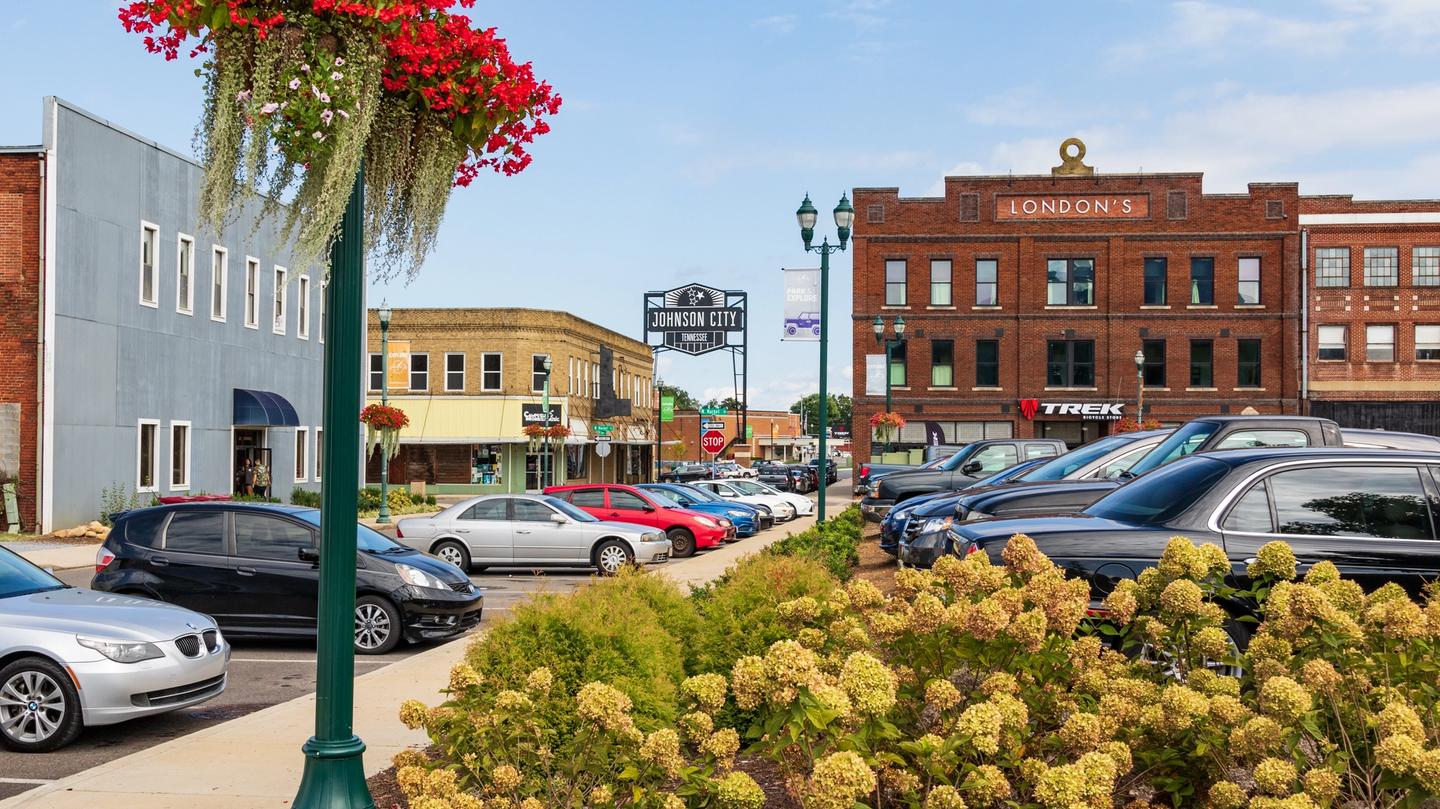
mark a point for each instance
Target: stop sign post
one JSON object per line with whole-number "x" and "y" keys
{"x": 712, "y": 441}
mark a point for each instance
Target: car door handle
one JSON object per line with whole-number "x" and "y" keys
{"x": 522, "y": 530}
{"x": 1252, "y": 560}
{"x": 245, "y": 571}
{"x": 159, "y": 561}
{"x": 614, "y": 514}
{"x": 462, "y": 530}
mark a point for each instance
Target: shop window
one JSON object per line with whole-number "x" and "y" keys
{"x": 575, "y": 461}
{"x": 219, "y": 278}
{"x": 302, "y": 445}
{"x": 1249, "y": 291}
{"x": 1427, "y": 342}
{"x": 455, "y": 372}
{"x": 1153, "y": 369}
{"x": 1070, "y": 282}
{"x": 898, "y": 366}
{"x": 942, "y": 363}
{"x": 179, "y": 455}
{"x": 302, "y": 308}
{"x": 1332, "y": 266}
{"x": 987, "y": 287}
{"x": 376, "y": 376}
{"x": 1202, "y": 281}
{"x": 1379, "y": 343}
{"x": 940, "y": 282}
{"x": 1070, "y": 363}
{"x": 184, "y": 275}
{"x": 1202, "y": 364}
{"x": 147, "y": 455}
{"x": 490, "y": 372}
{"x": 895, "y": 271}
{"x": 420, "y": 372}
{"x": 149, "y": 242}
{"x": 1331, "y": 343}
{"x": 1425, "y": 266}
{"x": 485, "y": 464}
{"x": 1247, "y": 363}
{"x": 987, "y": 363}
{"x": 1382, "y": 266}
{"x": 1156, "y": 274}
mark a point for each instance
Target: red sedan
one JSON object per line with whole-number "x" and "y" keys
{"x": 688, "y": 530}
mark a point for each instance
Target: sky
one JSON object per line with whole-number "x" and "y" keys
{"x": 690, "y": 131}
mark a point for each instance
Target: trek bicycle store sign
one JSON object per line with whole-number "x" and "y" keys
{"x": 1090, "y": 411}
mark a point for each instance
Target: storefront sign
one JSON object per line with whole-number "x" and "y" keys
{"x": 1096, "y": 411}
{"x": 694, "y": 319}
{"x": 802, "y": 306}
{"x": 535, "y": 414}
{"x": 397, "y": 366}
{"x": 1022, "y": 207}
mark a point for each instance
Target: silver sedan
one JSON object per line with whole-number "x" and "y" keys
{"x": 521, "y": 530}
{"x": 76, "y": 657}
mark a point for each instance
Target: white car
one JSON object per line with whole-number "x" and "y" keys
{"x": 729, "y": 471}
{"x": 748, "y": 491}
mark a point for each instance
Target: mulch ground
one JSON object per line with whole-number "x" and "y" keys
{"x": 876, "y": 566}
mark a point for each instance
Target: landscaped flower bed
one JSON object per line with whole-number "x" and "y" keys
{"x": 975, "y": 685}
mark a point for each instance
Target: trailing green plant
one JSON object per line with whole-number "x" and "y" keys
{"x": 118, "y": 497}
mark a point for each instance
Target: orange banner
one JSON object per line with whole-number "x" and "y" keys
{"x": 397, "y": 372}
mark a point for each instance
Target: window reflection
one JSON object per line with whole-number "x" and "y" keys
{"x": 1352, "y": 501}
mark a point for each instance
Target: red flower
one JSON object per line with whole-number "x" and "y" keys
{"x": 384, "y": 417}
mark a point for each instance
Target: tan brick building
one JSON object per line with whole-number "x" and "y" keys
{"x": 471, "y": 379}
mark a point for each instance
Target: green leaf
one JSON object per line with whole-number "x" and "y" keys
{"x": 219, "y": 16}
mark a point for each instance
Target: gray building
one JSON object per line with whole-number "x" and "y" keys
{"x": 170, "y": 354}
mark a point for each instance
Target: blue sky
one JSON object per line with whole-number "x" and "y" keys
{"x": 690, "y": 130}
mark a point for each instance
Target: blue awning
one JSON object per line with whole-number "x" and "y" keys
{"x": 261, "y": 408}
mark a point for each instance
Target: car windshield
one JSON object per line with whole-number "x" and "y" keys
{"x": 366, "y": 538}
{"x": 569, "y": 510}
{"x": 1162, "y": 495}
{"x": 1073, "y": 461}
{"x": 954, "y": 461}
{"x": 751, "y": 487}
{"x": 1016, "y": 472}
{"x": 661, "y": 498}
{"x": 20, "y": 578}
{"x": 1182, "y": 442}
{"x": 703, "y": 495}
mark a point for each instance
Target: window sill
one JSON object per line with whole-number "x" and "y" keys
{"x": 1337, "y": 362}
{"x": 1202, "y": 389}
{"x": 986, "y": 308}
{"x": 1077, "y": 389}
{"x": 899, "y": 306}
{"x": 1155, "y": 306}
{"x": 942, "y": 387}
{"x": 1149, "y": 389}
{"x": 1249, "y": 306}
{"x": 215, "y": 319}
{"x": 147, "y": 489}
{"x": 184, "y": 488}
{"x": 150, "y": 304}
{"x": 1058, "y": 306}
{"x": 190, "y": 313}
{"x": 899, "y": 387}
{"x": 940, "y": 308}
{"x": 997, "y": 388}
{"x": 1202, "y": 306}
{"x": 1251, "y": 390}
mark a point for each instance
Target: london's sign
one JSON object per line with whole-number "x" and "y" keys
{"x": 1023, "y": 207}
{"x": 1098, "y": 411}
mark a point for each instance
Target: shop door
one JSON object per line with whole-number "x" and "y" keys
{"x": 249, "y": 448}
{"x": 537, "y": 472}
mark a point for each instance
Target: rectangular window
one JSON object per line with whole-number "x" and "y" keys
{"x": 147, "y": 455}
{"x": 987, "y": 287}
{"x": 489, "y": 372}
{"x": 455, "y": 372}
{"x": 1331, "y": 343}
{"x": 1379, "y": 343}
{"x": 321, "y": 304}
{"x": 1249, "y": 291}
{"x": 1202, "y": 281}
{"x": 987, "y": 363}
{"x": 252, "y": 293}
{"x": 1202, "y": 364}
{"x": 377, "y": 373}
{"x": 179, "y": 455}
{"x": 895, "y": 283}
{"x": 219, "y": 277}
{"x": 1425, "y": 266}
{"x": 302, "y": 308}
{"x": 1070, "y": 363}
{"x": 302, "y": 444}
{"x": 1427, "y": 342}
{"x": 149, "y": 245}
{"x": 319, "y": 450}
{"x": 185, "y": 275}
{"x": 1157, "y": 271}
{"x": 1070, "y": 282}
{"x": 538, "y": 373}
{"x": 898, "y": 366}
{"x": 940, "y": 282}
{"x": 1332, "y": 266}
{"x": 277, "y": 306}
{"x": 1382, "y": 266}
{"x": 942, "y": 363}
{"x": 1153, "y": 370}
{"x": 1247, "y": 363}
{"x": 420, "y": 372}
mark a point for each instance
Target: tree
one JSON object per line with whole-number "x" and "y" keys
{"x": 729, "y": 403}
{"x": 838, "y": 410}
{"x": 683, "y": 399}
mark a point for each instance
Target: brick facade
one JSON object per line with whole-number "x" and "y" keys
{"x": 774, "y": 435}
{"x": 20, "y": 300}
{"x": 984, "y": 218}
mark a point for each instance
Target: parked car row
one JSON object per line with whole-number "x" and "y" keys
{"x": 687, "y": 472}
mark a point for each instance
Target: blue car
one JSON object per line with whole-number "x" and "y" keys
{"x": 748, "y": 519}
{"x": 892, "y": 527}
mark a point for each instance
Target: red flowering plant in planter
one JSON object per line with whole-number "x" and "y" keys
{"x": 300, "y": 92}
{"x": 385, "y": 423}
{"x": 537, "y": 432}
{"x": 886, "y": 425}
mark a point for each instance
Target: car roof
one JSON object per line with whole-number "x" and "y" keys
{"x": 219, "y": 505}
{"x": 1263, "y": 418}
{"x": 1238, "y": 457}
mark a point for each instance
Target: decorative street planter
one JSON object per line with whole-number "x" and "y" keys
{"x": 383, "y": 424}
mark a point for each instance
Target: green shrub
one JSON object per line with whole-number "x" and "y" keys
{"x": 253, "y": 498}
{"x": 304, "y": 497}
{"x": 738, "y": 612}
{"x": 834, "y": 543}
{"x": 117, "y": 498}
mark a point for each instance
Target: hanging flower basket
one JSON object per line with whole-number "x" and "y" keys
{"x": 383, "y": 424}
{"x": 299, "y": 92}
{"x": 886, "y": 425}
{"x": 539, "y": 432}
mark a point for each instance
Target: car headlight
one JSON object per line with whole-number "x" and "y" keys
{"x": 937, "y": 524}
{"x": 122, "y": 651}
{"x": 419, "y": 578}
{"x": 706, "y": 521}
{"x": 764, "y": 509}
{"x": 737, "y": 513}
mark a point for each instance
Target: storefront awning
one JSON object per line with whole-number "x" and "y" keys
{"x": 261, "y": 408}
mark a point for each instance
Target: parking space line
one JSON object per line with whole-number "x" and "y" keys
{"x": 27, "y": 781}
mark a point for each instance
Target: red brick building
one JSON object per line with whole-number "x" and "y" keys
{"x": 1026, "y": 298}
{"x": 21, "y": 181}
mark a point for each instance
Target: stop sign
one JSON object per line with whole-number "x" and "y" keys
{"x": 712, "y": 441}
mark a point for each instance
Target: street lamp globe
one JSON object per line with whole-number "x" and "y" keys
{"x": 899, "y": 327}
{"x": 806, "y": 216}
{"x": 384, "y": 314}
{"x": 1139, "y": 360}
{"x": 548, "y": 365}
{"x": 879, "y": 327}
{"x": 844, "y": 216}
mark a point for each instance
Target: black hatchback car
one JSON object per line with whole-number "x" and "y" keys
{"x": 255, "y": 569}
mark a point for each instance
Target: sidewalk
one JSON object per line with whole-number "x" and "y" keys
{"x": 255, "y": 760}
{"x": 55, "y": 555}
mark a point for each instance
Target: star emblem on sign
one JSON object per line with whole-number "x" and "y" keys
{"x": 697, "y": 297}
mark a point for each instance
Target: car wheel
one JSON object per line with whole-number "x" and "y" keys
{"x": 453, "y": 552}
{"x": 682, "y": 542}
{"x": 611, "y": 556}
{"x": 815, "y": 330}
{"x": 790, "y": 330}
{"x": 377, "y": 626}
{"x": 39, "y": 706}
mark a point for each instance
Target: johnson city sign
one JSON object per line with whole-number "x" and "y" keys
{"x": 695, "y": 319}
{"x": 1095, "y": 411}
{"x": 1022, "y": 207}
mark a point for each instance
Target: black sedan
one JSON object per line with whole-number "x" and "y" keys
{"x": 1370, "y": 512}
{"x": 254, "y": 567}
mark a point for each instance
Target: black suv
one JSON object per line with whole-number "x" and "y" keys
{"x": 255, "y": 569}
{"x": 975, "y": 461}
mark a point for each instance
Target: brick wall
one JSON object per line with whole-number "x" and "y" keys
{"x": 682, "y": 436}
{"x": 20, "y": 328}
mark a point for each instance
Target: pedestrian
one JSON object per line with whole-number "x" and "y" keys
{"x": 247, "y": 479}
{"x": 262, "y": 479}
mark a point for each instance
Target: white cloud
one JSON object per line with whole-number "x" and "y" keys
{"x": 777, "y": 23}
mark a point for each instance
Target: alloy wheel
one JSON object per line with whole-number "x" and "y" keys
{"x": 32, "y": 707}
{"x": 372, "y": 626}
{"x": 612, "y": 558}
{"x": 451, "y": 554}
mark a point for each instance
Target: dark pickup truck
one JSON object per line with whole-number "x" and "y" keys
{"x": 973, "y": 462}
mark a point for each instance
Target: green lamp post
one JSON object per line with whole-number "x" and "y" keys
{"x": 384, "y": 315}
{"x": 844, "y": 216}
{"x": 547, "y": 472}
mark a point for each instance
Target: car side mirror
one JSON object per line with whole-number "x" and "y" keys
{"x": 308, "y": 554}
{"x": 971, "y": 468}
{"x": 559, "y": 519}
{"x": 647, "y": 508}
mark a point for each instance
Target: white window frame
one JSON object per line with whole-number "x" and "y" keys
{"x": 302, "y": 307}
{"x": 534, "y": 373}
{"x": 252, "y": 293}
{"x": 447, "y": 371}
{"x": 1372, "y": 329}
{"x": 184, "y": 485}
{"x": 154, "y": 455}
{"x": 319, "y": 437}
{"x": 185, "y": 304}
{"x": 411, "y": 377}
{"x": 280, "y": 299}
{"x": 301, "y": 462}
{"x": 320, "y": 335}
{"x": 216, "y": 251}
{"x": 370, "y": 372}
{"x": 152, "y": 230}
{"x": 1321, "y": 343}
{"x": 500, "y": 370}
{"x": 1433, "y": 342}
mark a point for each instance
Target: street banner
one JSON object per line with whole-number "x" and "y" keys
{"x": 667, "y": 408}
{"x": 397, "y": 370}
{"x": 749, "y": 431}
{"x": 802, "y": 306}
{"x": 874, "y": 374}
